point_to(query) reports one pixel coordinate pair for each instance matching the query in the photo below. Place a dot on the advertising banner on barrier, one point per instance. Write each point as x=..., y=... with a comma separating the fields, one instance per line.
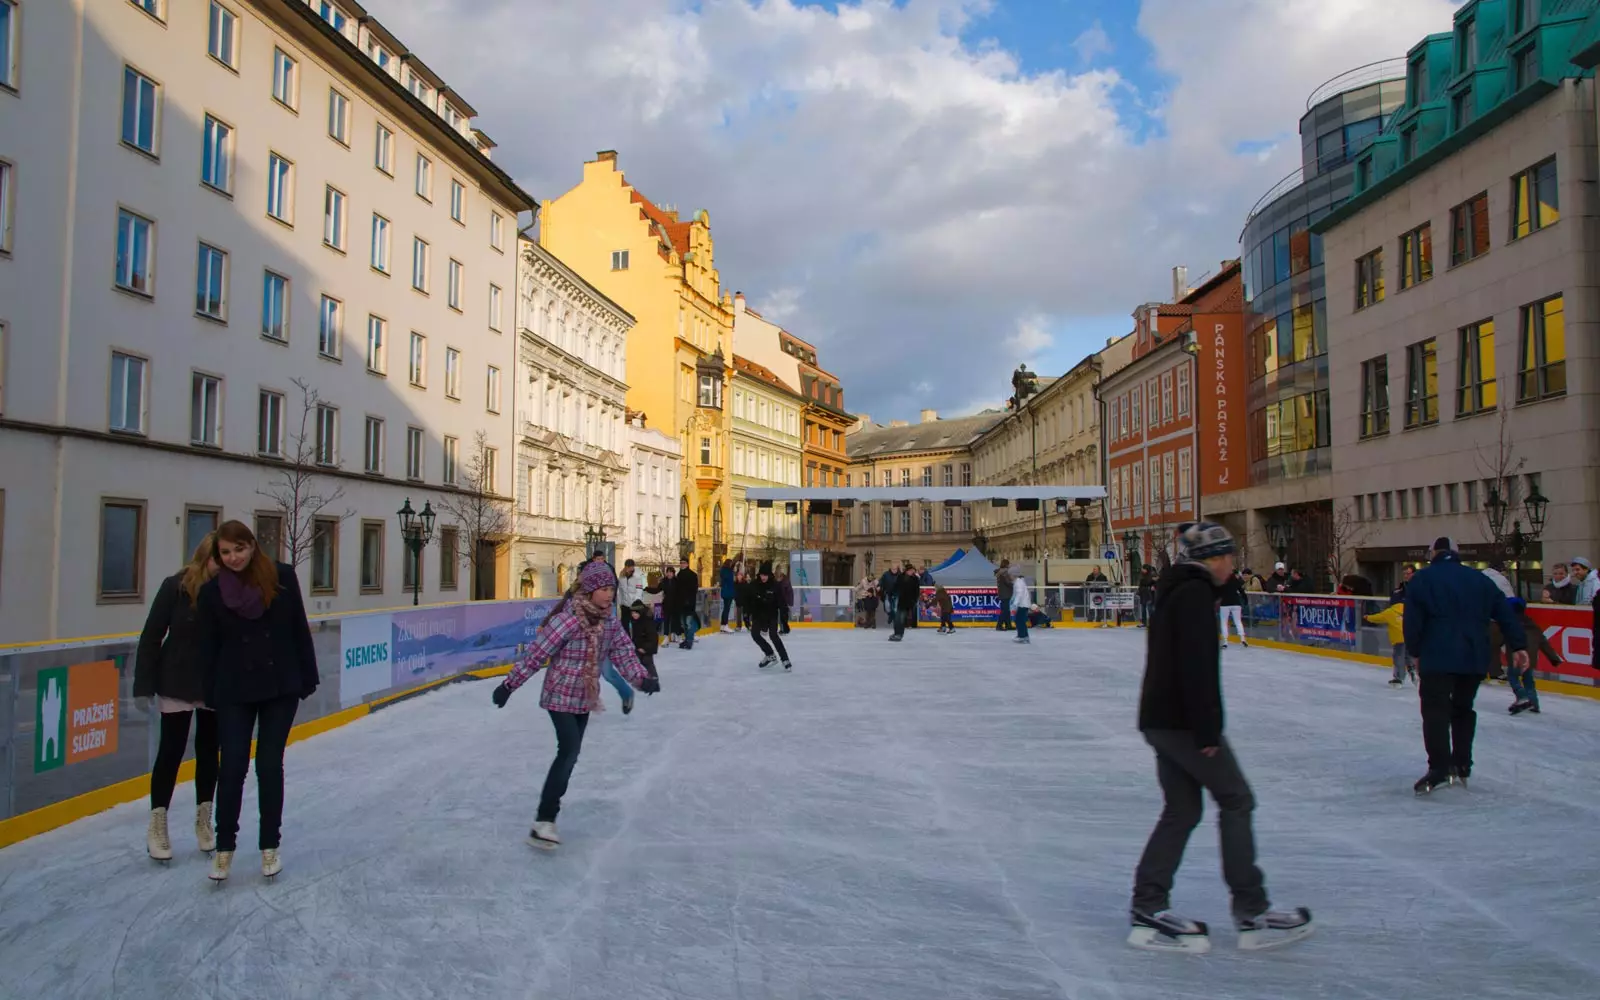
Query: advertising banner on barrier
x=1329, y=622
x=75, y=714
x=805, y=576
x=967, y=604
x=1571, y=632
x=443, y=642
x=365, y=644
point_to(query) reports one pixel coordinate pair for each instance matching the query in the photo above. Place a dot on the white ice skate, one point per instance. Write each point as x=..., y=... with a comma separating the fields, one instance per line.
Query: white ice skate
x=1167, y=931
x=156, y=840
x=203, y=833
x=271, y=864
x=544, y=836
x=1274, y=929
x=767, y=661
x=221, y=865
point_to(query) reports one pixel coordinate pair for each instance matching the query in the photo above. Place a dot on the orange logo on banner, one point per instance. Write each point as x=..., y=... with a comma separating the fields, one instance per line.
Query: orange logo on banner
x=92, y=691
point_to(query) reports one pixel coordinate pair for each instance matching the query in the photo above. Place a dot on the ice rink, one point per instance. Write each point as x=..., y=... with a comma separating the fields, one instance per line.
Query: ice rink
x=946, y=817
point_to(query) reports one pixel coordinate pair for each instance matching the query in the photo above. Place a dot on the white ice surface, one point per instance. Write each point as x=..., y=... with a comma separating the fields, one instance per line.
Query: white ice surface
x=946, y=817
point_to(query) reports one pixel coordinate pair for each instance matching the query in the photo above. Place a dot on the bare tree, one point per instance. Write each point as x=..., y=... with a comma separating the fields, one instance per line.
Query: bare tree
x=1500, y=464
x=1345, y=534
x=483, y=516
x=298, y=490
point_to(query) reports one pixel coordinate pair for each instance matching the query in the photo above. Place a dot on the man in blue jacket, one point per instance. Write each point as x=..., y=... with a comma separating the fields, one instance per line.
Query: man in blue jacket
x=1448, y=610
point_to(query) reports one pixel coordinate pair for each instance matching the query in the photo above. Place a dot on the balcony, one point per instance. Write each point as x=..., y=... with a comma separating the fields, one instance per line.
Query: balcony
x=708, y=477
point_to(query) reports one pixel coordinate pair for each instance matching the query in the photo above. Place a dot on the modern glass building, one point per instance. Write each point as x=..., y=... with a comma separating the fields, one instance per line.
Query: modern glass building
x=1286, y=329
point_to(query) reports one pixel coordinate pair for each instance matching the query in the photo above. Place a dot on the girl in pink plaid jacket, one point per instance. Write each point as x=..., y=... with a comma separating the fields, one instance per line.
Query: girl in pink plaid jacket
x=574, y=642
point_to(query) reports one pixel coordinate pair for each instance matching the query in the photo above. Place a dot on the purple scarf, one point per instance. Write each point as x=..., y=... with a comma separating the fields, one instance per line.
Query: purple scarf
x=240, y=597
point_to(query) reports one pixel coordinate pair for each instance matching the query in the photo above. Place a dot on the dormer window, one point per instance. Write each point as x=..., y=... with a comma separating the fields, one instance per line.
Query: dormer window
x=1467, y=46
x=379, y=54
x=1417, y=82
x=331, y=13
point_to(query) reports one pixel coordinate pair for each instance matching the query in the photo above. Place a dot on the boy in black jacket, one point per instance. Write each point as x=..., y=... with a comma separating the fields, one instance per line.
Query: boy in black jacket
x=645, y=642
x=1180, y=714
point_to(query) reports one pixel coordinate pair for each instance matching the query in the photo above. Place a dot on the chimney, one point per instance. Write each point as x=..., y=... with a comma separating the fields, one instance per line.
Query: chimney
x=899, y=423
x=606, y=156
x=864, y=419
x=929, y=416
x=1180, y=283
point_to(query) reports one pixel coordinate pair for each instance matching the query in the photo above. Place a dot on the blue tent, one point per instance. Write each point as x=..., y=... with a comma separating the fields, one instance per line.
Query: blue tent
x=967, y=568
x=957, y=554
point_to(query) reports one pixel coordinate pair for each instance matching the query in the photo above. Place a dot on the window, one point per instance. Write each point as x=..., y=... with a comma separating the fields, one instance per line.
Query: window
x=1525, y=66
x=269, y=423
x=1535, y=202
x=619, y=260
x=338, y=117
x=419, y=264
x=333, y=218
x=1183, y=391
x=452, y=447
x=413, y=453
x=496, y=231
x=449, y=547
x=492, y=390
x=1542, y=353
x=275, y=306
x=927, y=475
x=205, y=410
x=332, y=14
x=948, y=476
x=1408, y=145
x=372, y=450
x=1475, y=383
x=453, y=285
x=1422, y=383
x=211, y=283
x=330, y=327
x=948, y=521
x=1369, y=279
x=285, y=79
x=419, y=87
x=905, y=521
x=380, y=243
x=1375, y=397
x=223, y=41
x=269, y=534
x=452, y=373
x=1134, y=425
x=383, y=150
x=1416, y=256
x=490, y=469
x=1166, y=396
x=494, y=308
x=1469, y=229
x=458, y=201
x=418, y=360
x=372, y=557
x=121, y=550
x=280, y=189
x=710, y=391
x=1185, y=474
x=377, y=345
x=8, y=43
x=216, y=164
x=1524, y=13
x=324, y=555
x=1466, y=46
x=127, y=393
x=424, y=178
x=5, y=198
x=1461, y=107
x=135, y=253
x=326, y=451
x=141, y=108
x=927, y=519
x=966, y=474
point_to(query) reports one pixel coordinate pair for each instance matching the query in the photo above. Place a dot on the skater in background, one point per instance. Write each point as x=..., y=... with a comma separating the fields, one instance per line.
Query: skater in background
x=1525, y=694
x=1231, y=609
x=1181, y=717
x=946, y=608
x=908, y=590
x=256, y=652
x=765, y=602
x=1002, y=586
x=1145, y=595
x=686, y=587
x=645, y=642
x=630, y=588
x=1393, y=618
x=1448, y=609
x=666, y=587
x=1021, y=605
x=168, y=670
x=728, y=586
x=786, y=599
x=577, y=638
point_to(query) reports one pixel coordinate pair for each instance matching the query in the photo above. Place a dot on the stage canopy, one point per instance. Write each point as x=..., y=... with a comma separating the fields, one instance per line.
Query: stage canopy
x=969, y=568
x=925, y=494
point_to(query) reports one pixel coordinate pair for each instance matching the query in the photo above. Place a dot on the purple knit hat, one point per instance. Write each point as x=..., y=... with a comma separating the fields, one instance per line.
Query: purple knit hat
x=595, y=576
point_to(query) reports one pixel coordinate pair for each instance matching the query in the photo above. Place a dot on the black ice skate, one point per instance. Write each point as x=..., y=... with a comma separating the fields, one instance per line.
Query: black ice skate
x=1167, y=931
x=767, y=661
x=1459, y=776
x=787, y=665
x=1517, y=708
x=1274, y=929
x=1430, y=782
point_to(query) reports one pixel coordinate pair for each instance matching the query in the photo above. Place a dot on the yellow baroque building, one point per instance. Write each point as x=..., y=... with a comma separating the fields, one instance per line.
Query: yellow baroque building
x=679, y=354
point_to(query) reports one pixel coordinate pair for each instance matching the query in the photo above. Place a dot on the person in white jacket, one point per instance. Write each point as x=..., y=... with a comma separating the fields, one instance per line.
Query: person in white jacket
x=1021, y=603
x=630, y=588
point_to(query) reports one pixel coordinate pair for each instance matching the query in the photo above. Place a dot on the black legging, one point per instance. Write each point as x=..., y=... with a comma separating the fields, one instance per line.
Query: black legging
x=570, y=727
x=770, y=628
x=169, y=754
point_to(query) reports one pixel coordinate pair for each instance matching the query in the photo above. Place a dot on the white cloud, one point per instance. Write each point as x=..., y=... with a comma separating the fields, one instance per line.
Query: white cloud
x=1093, y=43
x=904, y=201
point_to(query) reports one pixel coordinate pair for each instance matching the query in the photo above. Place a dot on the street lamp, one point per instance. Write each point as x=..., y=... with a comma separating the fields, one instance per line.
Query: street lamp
x=981, y=542
x=1130, y=549
x=593, y=539
x=1024, y=385
x=1280, y=532
x=1496, y=507
x=1519, y=542
x=416, y=531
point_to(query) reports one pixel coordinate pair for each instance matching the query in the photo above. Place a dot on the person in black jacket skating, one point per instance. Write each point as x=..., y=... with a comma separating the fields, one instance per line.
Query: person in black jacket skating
x=908, y=593
x=167, y=670
x=259, y=663
x=686, y=597
x=1180, y=715
x=1231, y=596
x=764, y=598
x=642, y=630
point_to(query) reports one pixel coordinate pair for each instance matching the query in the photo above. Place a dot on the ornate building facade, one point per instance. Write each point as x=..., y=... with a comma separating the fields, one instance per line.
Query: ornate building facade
x=571, y=435
x=766, y=452
x=650, y=502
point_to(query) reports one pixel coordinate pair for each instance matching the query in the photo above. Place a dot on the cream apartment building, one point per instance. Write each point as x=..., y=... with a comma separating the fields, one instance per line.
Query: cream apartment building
x=650, y=504
x=1460, y=293
x=236, y=196
x=572, y=453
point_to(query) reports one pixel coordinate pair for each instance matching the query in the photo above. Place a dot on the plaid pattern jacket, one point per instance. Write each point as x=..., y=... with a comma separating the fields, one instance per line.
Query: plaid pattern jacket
x=562, y=646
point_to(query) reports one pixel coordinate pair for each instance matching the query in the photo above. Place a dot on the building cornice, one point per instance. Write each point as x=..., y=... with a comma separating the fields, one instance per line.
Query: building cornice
x=561, y=360
x=549, y=264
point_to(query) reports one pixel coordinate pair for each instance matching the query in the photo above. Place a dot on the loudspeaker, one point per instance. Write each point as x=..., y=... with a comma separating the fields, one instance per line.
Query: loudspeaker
x=822, y=506
x=1028, y=504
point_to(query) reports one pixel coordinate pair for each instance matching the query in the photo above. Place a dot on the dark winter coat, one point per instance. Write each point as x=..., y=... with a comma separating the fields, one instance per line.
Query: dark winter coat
x=1448, y=611
x=725, y=577
x=887, y=582
x=669, y=600
x=785, y=590
x=1567, y=593
x=248, y=661
x=1277, y=583
x=762, y=600
x=646, y=640
x=1147, y=586
x=168, y=661
x=946, y=605
x=1231, y=594
x=685, y=591
x=1003, y=584
x=1182, y=678
x=909, y=590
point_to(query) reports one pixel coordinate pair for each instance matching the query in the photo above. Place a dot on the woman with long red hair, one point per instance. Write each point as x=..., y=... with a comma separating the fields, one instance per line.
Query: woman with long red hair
x=260, y=664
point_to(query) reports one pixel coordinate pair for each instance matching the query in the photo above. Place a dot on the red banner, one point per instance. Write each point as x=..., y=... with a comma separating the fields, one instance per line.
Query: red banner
x=1570, y=632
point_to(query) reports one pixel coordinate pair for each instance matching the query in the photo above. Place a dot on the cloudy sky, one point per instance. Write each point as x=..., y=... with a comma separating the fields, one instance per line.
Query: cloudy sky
x=929, y=190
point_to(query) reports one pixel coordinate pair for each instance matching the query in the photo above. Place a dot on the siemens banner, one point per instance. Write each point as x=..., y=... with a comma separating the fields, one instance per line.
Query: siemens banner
x=366, y=643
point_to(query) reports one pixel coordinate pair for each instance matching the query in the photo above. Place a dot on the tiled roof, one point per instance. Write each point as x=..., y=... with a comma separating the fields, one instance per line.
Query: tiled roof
x=875, y=440
x=677, y=232
x=761, y=373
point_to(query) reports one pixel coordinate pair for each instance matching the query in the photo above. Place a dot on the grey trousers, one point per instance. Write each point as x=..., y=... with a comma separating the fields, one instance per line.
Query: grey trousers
x=1184, y=772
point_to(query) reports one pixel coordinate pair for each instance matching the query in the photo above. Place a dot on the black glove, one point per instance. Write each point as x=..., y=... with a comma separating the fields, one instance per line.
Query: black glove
x=502, y=694
x=650, y=685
